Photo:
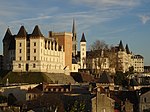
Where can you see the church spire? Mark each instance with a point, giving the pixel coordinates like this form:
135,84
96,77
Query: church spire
83,38
73,27
74,39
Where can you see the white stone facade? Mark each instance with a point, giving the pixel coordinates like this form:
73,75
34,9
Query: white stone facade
83,52
38,54
123,61
83,55
100,63
75,68
138,63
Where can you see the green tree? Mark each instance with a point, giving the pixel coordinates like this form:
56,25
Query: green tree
131,70
11,99
3,99
121,79
146,110
78,106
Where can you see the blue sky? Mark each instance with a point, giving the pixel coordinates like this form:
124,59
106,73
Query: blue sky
108,20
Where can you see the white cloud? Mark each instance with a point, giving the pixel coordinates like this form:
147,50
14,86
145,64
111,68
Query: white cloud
108,3
56,18
31,19
144,18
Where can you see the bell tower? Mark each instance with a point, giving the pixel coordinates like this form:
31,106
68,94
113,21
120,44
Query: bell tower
83,52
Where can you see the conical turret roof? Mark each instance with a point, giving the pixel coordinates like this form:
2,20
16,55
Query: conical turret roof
121,46
127,49
8,34
36,32
22,32
83,38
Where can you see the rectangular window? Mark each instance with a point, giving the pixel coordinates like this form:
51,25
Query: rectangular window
34,50
28,44
20,50
20,58
34,57
34,43
34,65
28,58
19,44
28,50
82,44
19,66
144,100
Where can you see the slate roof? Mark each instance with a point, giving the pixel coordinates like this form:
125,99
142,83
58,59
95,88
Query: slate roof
22,32
37,89
105,78
121,46
74,61
137,56
8,34
34,90
127,49
36,32
12,45
79,89
83,38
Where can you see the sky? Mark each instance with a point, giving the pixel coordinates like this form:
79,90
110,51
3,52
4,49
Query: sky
107,20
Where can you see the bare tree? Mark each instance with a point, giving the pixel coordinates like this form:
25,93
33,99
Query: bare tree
98,45
97,55
112,56
115,62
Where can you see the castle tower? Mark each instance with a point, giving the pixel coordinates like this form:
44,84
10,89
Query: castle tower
65,39
21,50
83,52
36,53
6,43
74,39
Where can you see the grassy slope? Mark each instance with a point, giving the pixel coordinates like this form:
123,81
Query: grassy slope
16,77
